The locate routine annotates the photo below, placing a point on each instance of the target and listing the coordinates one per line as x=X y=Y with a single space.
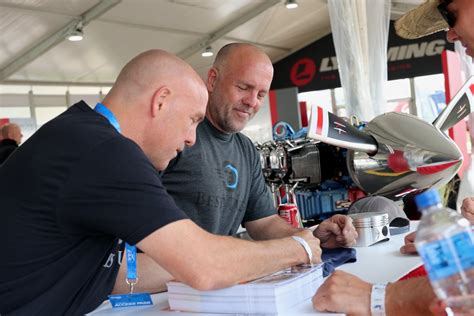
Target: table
x=383 y=262
x=379 y=263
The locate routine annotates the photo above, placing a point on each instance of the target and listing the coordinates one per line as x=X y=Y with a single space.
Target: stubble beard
x=231 y=123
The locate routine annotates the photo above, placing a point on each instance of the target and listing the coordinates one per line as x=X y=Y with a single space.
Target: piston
x=371 y=227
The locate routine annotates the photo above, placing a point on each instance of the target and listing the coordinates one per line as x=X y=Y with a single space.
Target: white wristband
x=377 y=299
x=306 y=247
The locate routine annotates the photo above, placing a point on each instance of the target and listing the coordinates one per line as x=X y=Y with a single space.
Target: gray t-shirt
x=218 y=182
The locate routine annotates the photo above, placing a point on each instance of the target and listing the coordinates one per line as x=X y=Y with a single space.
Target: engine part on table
x=311 y=174
x=300 y=161
x=371 y=227
x=305 y=163
x=290 y=162
x=279 y=162
x=265 y=160
x=398 y=220
x=397 y=153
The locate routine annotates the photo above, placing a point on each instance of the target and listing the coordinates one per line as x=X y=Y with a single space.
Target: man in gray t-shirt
x=218 y=182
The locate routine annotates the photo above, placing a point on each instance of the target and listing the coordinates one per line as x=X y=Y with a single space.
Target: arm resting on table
x=337 y=231
x=409 y=297
x=205 y=261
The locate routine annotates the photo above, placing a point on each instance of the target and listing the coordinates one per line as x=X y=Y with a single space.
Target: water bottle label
x=446 y=257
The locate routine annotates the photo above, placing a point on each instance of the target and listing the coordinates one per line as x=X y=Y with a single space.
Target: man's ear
x=212 y=78
x=159 y=100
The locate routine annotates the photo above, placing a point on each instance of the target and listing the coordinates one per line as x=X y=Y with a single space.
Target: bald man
x=87 y=182
x=225 y=163
x=11 y=138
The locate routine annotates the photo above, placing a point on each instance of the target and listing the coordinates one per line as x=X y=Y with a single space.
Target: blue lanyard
x=131 y=251
x=105 y=112
x=132 y=278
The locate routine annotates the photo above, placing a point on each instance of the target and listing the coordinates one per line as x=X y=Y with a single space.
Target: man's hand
x=336 y=231
x=343 y=293
x=467 y=209
x=409 y=247
x=313 y=244
x=438 y=307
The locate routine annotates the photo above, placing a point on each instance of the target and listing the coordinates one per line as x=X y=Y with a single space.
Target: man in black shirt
x=85 y=184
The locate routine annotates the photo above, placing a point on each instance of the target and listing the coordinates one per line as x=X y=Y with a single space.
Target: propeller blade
x=331 y=129
x=459 y=107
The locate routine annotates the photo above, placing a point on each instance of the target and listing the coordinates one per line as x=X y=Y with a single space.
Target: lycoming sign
x=397 y=53
x=416 y=50
x=315 y=66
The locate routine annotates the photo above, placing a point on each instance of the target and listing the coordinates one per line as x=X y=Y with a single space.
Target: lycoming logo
x=304 y=70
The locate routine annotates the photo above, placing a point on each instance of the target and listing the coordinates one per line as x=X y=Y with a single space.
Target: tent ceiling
x=115 y=31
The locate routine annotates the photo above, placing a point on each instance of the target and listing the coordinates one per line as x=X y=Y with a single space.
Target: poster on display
x=314 y=67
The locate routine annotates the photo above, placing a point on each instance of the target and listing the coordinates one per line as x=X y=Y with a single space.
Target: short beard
x=229 y=126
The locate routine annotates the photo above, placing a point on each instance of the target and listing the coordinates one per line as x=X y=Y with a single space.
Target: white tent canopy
x=33 y=49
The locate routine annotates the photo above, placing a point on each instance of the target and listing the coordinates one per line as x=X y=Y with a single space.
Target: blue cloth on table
x=333 y=258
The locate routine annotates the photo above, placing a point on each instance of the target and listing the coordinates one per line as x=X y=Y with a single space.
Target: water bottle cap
x=427 y=199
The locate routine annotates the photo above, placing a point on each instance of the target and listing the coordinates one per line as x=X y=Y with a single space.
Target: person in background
x=11 y=139
x=87 y=182
x=343 y=292
x=467 y=209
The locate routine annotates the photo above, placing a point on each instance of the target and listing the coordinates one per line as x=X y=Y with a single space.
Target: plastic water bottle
x=444 y=240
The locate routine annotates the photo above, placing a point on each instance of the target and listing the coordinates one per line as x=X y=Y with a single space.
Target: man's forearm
x=409 y=297
x=337 y=231
x=272 y=227
x=205 y=261
x=250 y=260
x=152 y=277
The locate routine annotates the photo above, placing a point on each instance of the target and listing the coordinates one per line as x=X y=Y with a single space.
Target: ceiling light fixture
x=291 y=4
x=207 y=52
x=77 y=34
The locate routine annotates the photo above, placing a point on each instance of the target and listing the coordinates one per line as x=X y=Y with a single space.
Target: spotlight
x=77 y=34
x=207 y=52
x=291 y=4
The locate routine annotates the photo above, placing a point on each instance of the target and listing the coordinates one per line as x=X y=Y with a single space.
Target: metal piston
x=372 y=227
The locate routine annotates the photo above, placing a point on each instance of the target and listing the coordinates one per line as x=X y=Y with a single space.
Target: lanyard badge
x=131 y=299
x=131 y=254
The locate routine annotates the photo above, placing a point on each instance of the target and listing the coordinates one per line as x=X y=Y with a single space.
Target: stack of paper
x=274 y=293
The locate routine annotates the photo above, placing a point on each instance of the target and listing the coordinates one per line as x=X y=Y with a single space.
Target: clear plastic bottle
x=445 y=242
